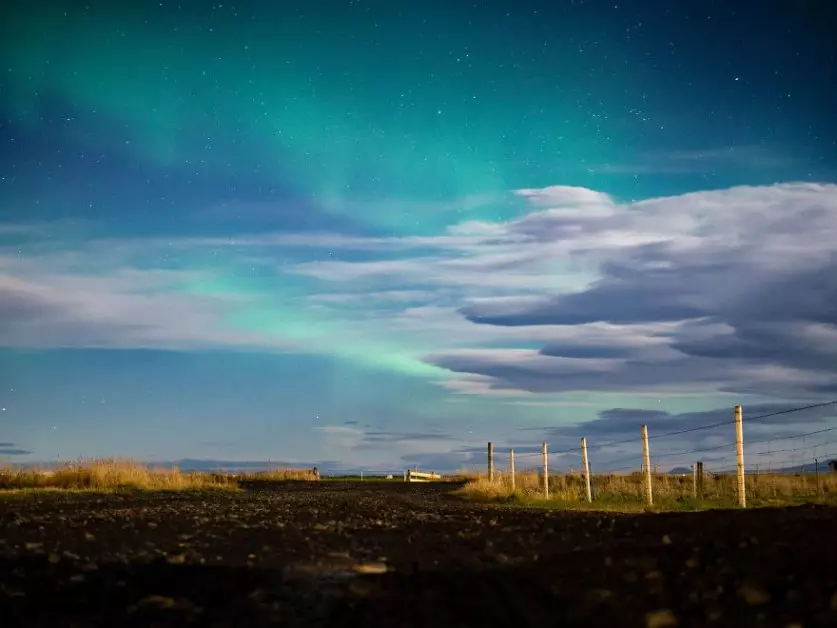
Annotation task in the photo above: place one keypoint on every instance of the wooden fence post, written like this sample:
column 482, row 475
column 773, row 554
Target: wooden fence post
column 586, row 464
column 700, row 479
column 545, row 471
column 646, row 461
column 739, row 454
column 817, row 474
column 511, row 468
column 694, row 481
column 490, row 463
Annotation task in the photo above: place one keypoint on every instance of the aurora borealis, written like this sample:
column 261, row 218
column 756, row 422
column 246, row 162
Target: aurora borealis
column 371, row 234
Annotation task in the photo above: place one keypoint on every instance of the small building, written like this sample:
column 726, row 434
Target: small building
column 832, row 465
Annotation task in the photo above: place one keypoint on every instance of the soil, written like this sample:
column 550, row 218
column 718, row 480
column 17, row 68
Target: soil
column 395, row 554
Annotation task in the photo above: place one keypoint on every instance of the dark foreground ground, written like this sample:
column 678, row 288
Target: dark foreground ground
column 375, row 554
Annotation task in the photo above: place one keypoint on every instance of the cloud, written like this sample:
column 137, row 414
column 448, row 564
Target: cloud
column 667, row 437
column 50, row 302
column 11, row 449
column 752, row 157
column 443, row 462
column 378, row 439
column 723, row 291
column 747, row 278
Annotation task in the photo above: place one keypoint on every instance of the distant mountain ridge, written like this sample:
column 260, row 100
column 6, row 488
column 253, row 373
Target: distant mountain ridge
column 808, row 468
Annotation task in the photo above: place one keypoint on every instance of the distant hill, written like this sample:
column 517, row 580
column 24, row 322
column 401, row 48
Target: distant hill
column 809, row 469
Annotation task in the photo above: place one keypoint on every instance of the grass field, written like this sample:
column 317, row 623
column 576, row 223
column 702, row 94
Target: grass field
column 626, row 492
column 610, row 492
column 120, row 474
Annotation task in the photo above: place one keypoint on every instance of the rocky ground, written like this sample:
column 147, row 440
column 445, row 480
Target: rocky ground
column 395, row 554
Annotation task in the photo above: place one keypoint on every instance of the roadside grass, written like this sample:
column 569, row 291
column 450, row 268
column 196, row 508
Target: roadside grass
column 111, row 474
column 363, row 478
column 281, row 474
column 625, row 493
column 115, row 474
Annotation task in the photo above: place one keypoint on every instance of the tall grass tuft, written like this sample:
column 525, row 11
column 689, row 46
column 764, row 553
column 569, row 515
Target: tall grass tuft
column 111, row 474
column 669, row 491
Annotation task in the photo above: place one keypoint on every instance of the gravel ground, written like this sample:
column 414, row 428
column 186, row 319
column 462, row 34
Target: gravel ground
column 394, row 554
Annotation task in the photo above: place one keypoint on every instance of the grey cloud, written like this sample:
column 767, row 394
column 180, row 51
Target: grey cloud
column 13, row 451
column 443, row 462
column 752, row 157
column 582, row 351
column 375, row 439
column 623, row 424
column 46, row 304
column 767, row 341
column 16, row 306
column 753, row 269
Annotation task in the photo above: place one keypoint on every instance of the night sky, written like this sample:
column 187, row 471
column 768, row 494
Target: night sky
column 371, row 234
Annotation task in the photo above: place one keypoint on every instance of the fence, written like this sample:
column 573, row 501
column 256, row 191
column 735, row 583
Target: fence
column 803, row 469
column 416, row 476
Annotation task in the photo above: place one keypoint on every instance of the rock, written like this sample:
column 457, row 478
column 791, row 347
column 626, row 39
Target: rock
column 156, row 601
column 176, row 559
column 753, row 594
column 361, row 588
column 370, row 568
column 662, row 618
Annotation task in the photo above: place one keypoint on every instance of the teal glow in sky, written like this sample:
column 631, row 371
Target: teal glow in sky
column 372, row 234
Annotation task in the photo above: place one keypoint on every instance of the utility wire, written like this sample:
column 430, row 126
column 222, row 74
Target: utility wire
column 594, row 447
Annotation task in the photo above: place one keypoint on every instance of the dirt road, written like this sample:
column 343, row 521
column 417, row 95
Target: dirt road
column 376, row 554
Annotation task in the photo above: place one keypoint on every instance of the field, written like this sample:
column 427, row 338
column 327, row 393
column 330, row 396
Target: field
column 626, row 492
column 117, row 474
column 397, row 554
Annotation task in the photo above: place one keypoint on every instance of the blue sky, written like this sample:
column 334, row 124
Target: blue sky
column 373, row 234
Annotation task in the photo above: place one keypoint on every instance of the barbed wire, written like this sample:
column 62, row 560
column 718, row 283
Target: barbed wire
column 593, row 447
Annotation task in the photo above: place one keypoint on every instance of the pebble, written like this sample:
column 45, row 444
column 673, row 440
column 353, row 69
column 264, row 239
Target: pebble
column 370, row 568
column 156, row 601
column 662, row 618
column 754, row 594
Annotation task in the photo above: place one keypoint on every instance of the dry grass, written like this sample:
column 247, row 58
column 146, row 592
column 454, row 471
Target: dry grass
column 111, row 474
column 627, row 491
column 279, row 475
